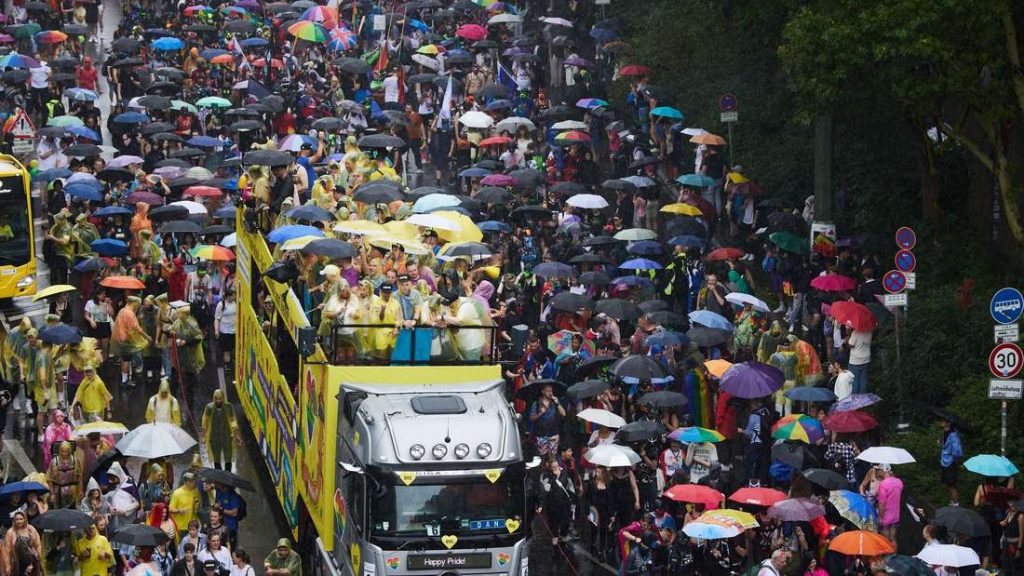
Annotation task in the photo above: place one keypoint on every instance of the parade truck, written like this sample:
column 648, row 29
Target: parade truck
column 17, row 237
column 380, row 469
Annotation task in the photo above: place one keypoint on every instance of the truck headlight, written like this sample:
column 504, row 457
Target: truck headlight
column 417, row 451
column 461, row 451
column 25, row 282
column 439, row 451
column 483, row 450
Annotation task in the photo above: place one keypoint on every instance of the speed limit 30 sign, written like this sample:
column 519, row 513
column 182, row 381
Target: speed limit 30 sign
column 1006, row 360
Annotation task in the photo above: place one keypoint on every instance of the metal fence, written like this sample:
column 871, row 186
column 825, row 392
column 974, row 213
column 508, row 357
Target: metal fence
column 419, row 345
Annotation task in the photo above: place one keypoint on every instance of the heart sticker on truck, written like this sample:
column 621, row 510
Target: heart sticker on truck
column 512, row 525
column 449, row 540
column 407, row 477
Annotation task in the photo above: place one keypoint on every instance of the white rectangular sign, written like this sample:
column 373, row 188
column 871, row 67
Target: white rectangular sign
column 1005, row 389
column 23, row 146
column 380, row 22
column 911, row 280
column 730, row 116
column 1006, row 332
column 895, row 299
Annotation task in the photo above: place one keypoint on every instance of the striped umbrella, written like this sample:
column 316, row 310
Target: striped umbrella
column 50, row 37
column 341, row 38
column 798, row 427
column 309, row 31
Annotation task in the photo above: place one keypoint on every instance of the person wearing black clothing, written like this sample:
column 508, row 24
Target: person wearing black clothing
column 870, row 288
column 8, row 391
column 189, row 565
column 559, row 499
column 156, row 284
column 283, row 187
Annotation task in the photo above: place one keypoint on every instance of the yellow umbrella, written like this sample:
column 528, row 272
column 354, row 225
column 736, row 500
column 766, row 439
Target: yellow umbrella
column 101, row 427
column 402, row 228
column 708, row 139
column 467, row 232
column 717, row 367
column 744, row 520
column 409, row 245
column 299, row 243
column 53, row 291
column 681, row 208
column 359, row 227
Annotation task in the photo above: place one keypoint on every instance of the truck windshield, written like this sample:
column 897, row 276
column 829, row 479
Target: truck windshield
column 467, row 507
column 14, row 224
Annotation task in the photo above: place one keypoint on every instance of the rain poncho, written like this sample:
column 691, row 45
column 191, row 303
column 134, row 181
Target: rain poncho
column 191, row 359
column 123, row 505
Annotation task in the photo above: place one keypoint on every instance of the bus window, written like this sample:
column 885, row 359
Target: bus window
column 15, row 244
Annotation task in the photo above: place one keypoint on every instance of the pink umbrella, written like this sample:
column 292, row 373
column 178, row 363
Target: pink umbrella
column 5, row 38
column 146, row 198
column 471, row 32
column 833, row 283
column 124, row 161
column 498, row 180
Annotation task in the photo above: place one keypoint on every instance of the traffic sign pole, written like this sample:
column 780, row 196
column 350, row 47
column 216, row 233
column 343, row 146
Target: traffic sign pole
column 729, row 103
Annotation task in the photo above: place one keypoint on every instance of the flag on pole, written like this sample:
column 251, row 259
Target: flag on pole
column 236, row 47
column 506, row 78
column 256, row 90
column 446, row 104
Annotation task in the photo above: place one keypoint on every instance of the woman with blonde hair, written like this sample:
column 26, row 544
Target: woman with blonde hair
column 65, row 476
column 23, row 546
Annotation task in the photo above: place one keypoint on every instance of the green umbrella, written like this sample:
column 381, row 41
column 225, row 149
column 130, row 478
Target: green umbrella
column 182, row 105
column 65, row 121
column 213, row 102
column 27, row 30
column 789, row 242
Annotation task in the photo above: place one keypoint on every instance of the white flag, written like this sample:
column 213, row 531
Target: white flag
column 446, row 105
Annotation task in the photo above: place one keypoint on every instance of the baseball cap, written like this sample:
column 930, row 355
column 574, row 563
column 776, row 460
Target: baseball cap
column 210, row 564
column 403, row 278
column 386, row 287
column 330, row 270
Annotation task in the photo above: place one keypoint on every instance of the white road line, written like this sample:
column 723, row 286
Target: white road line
column 13, row 448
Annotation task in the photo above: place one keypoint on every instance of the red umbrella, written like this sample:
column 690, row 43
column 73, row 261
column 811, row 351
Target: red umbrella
column 123, row 283
column 274, row 62
column 496, row 141
column 633, row 70
column 854, row 421
column 203, row 191
column 833, row 283
column 705, row 205
column 758, row 496
column 725, row 254
column 696, row 494
column 471, row 32
column 854, row 315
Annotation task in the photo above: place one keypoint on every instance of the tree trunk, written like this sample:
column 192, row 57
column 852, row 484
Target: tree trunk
column 930, row 183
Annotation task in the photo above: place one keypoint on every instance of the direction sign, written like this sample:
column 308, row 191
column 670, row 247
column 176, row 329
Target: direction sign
column 906, row 238
column 1007, row 305
column 1006, row 360
column 894, row 281
column 905, row 261
column 1006, row 332
column 728, row 103
column 1005, row 389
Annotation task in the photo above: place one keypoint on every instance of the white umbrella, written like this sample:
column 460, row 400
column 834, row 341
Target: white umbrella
column 949, row 555
column 476, row 119
column 739, row 299
column 886, row 455
column 512, row 124
column 640, row 181
column 199, row 173
column 505, row 19
column 570, row 125
column 612, row 456
column 556, row 21
column 192, row 207
column 123, row 161
column 434, row 221
column 427, row 61
column 602, row 418
column 588, row 201
column 694, row 131
column 229, row 241
column 155, row 441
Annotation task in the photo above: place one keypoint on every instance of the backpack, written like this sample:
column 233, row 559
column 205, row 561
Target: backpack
column 764, row 432
column 243, row 508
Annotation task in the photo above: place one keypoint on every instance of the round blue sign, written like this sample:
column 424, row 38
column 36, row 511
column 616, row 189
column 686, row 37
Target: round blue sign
column 728, row 103
column 1006, row 306
column 905, row 261
column 894, row 281
column 906, row 238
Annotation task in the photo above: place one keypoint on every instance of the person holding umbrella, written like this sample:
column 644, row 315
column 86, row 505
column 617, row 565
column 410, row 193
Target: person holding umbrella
column 951, row 453
column 546, row 416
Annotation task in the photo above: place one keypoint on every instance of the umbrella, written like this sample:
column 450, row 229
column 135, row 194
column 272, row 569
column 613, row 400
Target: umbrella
column 949, row 555
column 907, row 566
column 633, row 70
column 752, row 380
column 124, row 282
column 810, row 394
column 684, row 209
column 796, row 510
column 209, row 252
column 667, row 112
column 569, row 302
column 755, row 496
column 192, row 207
column 855, row 315
column 594, row 364
column 164, row 213
column 60, row 334
column 855, row 402
column 666, row 338
column 434, row 202
column 226, row 478
column 217, row 229
column 739, row 518
column 708, row 530
column 695, row 434
column 640, row 264
column 601, row 418
column 93, row 264
column 101, row 427
column 109, row 247
column 476, row 119
column 717, row 367
column 663, row 399
column 796, row 455
column 229, row 241
column 587, row 389
column 789, row 242
column 741, row 299
column 641, row 431
column 886, row 455
column 956, row 519
column 587, row 201
column 22, row 487
column 612, row 456
column 645, row 247
column 167, row 44
column 83, row 150
column 799, row 427
column 828, row 479
column 855, row 508
column 285, row 233
column 991, row 465
column 949, row 417
column 310, row 212
column 471, row 32
column 180, row 227
column 493, row 195
column 617, row 308
column 513, row 123
column 710, row 319
column 53, row 291
column 531, row 390
column 854, row 421
column 124, row 161
column 155, row 440
column 637, row 366
column 861, row 543
column 706, row 337
column 331, row 248
column 696, row 494
column 140, row 535
column 708, row 139
column 63, row 520
column 381, row 141
column 696, row 180
column 833, row 283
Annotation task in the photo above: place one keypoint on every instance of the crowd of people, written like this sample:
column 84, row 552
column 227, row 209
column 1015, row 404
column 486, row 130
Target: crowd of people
column 606, row 255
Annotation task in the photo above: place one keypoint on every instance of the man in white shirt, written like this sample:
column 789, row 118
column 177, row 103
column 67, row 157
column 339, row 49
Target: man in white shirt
column 774, row 565
column 215, row 551
column 40, row 83
column 844, row 378
column 392, row 89
column 860, row 360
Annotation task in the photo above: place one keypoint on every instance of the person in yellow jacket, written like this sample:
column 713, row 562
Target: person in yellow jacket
column 95, row 556
column 163, row 406
column 219, row 428
column 387, row 313
column 184, row 503
column 92, row 396
column 14, row 347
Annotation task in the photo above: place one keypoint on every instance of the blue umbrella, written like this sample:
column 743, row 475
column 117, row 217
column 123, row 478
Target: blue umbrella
column 639, row 181
column 667, row 112
column 632, row 281
column 493, row 226
column 434, row 201
column 666, row 338
column 991, row 465
column 204, row 142
column 855, row 508
column 81, row 95
column 20, row 487
column 83, row 132
column 83, row 191
column 640, row 264
column 92, row 265
column 167, row 44
column 310, row 212
column 211, row 53
column 59, row 334
column 687, row 241
column 711, row 320
column 113, row 211
column 109, row 247
column 231, row 185
column 698, row 180
column 418, row 25
column 285, row 233
column 855, row 402
column 474, row 173
column 131, row 118
column 52, row 174
column 603, row 35
column 499, row 104
column 226, row 211
column 645, row 248
column 254, row 42
column 810, row 394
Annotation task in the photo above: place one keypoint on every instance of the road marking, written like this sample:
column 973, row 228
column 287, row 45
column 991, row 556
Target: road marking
column 14, row 449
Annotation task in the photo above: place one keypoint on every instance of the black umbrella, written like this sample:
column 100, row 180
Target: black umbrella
column 617, row 185
column 329, row 123
column 182, row 183
column 637, row 366
column 240, row 26
column 653, row 306
column 52, row 131
column 527, row 177
column 156, row 128
column 493, row 195
column 601, row 240
column 685, row 227
column 618, row 308
column 169, row 73
column 664, row 399
column 16, row 76
column 180, row 227
column 168, row 136
column 668, row 318
column 554, row 270
column 331, row 248
column 489, row 164
column 126, row 45
column 378, row 192
column 587, row 388
column 704, row 337
column 60, row 334
column 594, row 278
column 187, row 153
column 115, row 175
column 493, row 91
column 948, row 416
column 827, row 479
column 217, row 229
column 201, row 28
column 226, row 478
column 176, row 162
column 64, row 77
column 155, row 102
column 640, row 431
column 796, row 454
column 37, row 7
column 164, row 87
column 83, row 150
column 352, row 65
column 269, row 158
column 63, row 520
column 310, row 212
column 245, row 126
column 588, row 258
column 531, row 390
column 470, row 249
column 569, row 189
column 381, row 141
column 64, row 62
column 162, row 213
column 539, row 213
column 422, row 78
column 140, row 535
column 963, row 521
column 569, row 302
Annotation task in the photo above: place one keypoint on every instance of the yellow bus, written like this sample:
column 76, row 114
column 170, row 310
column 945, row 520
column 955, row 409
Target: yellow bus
column 17, row 237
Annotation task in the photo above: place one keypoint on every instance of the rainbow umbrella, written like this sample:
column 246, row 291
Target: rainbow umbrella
column 591, row 103
column 15, row 60
column 50, row 37
column 341, row 38
column 573, row 136
column 431, row 50
column 745, row 520
column 211, row 252
column 855, row 508
column 695, row 434
column 193, row 10
column 238, row 10
column 324, row 15
column 798, row 427
column 308, row 31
